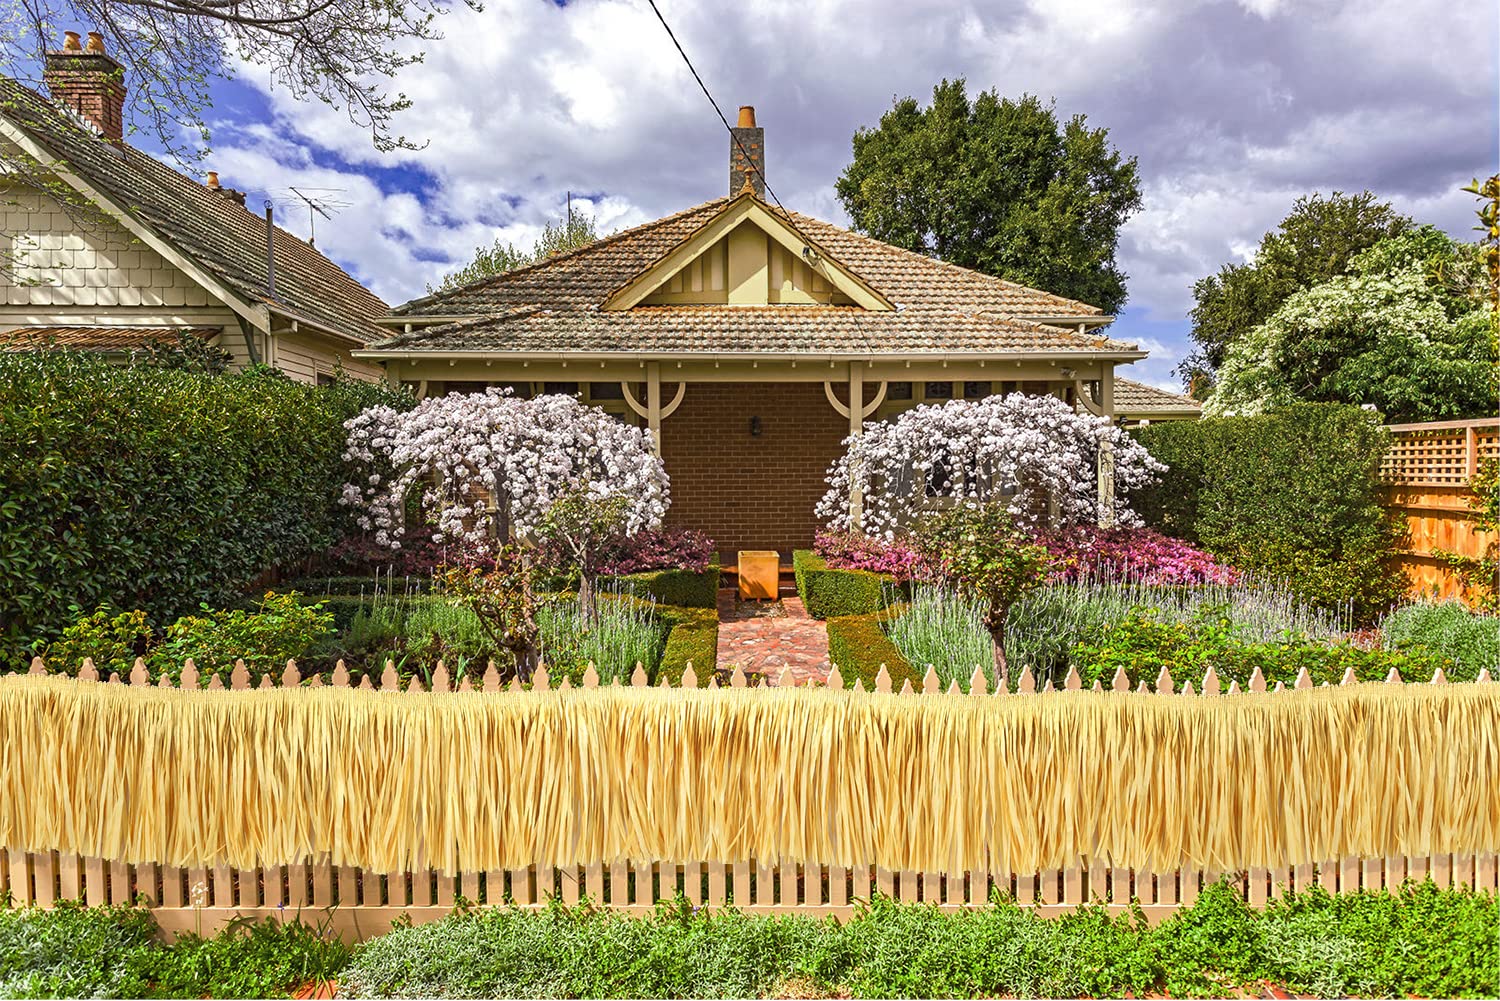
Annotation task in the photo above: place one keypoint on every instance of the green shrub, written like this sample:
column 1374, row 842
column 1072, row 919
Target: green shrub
column 158, row 490
column 1291, row 495
column 694, row 639
column 858, row 644
column 827, row 594
column 111, row 639
column 678, row 588
column 1143, row 644
column 249, row 959
column 75, row 952
column 1447, row 630
column 281, row 629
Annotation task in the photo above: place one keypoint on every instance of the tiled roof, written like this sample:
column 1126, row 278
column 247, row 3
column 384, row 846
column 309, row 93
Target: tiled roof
column 555, row 306
column 95, row 338
column 225, row 238
column 1137, row 397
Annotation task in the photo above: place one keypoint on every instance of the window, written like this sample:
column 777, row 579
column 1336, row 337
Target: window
column 898, row 391
column 937, row 390
column 976, row 390
column 606, row 391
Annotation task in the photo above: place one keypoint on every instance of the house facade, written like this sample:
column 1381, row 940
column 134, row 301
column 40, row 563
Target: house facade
column 105, row 248
column 752, row 342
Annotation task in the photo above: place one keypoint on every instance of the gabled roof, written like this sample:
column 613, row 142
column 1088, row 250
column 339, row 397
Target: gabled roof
column 1138, row 398
column 561, row 304
column 224, row 238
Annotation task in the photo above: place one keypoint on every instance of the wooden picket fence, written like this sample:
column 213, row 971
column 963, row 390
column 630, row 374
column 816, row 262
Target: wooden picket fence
column 1426, row 475
column 356, row 903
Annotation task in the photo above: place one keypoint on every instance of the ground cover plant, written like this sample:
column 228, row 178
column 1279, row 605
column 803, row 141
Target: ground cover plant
column 158, row 489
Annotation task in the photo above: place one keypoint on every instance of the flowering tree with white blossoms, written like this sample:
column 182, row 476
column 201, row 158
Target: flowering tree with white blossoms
column 490, row 466
column 1036, row 452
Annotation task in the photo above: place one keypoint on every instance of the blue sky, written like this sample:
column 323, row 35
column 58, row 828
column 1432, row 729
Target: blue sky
column 1233, row 107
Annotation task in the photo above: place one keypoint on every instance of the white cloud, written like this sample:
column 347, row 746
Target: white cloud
column 1234, row 110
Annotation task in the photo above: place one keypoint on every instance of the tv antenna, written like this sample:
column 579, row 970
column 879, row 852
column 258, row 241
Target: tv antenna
column 320, row 202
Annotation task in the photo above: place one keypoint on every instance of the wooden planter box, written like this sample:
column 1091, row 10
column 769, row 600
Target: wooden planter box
column 759, row 573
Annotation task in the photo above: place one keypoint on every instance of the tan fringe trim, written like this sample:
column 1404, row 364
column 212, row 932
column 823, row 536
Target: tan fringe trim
column 482, row 781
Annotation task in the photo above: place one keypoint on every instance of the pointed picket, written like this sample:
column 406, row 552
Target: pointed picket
column 978, row 683
column 1027, row 684
column 1121, row 682
column 1304, row 680
column 638, row 676
column 88, row 672
column 591, row 676
column 1439, row 678
column 1210, row 681
column 340, row 675
column 737, row 678
column 689, row 676
column 906, row 688
column 138, row 675
column 239, row 678
column 1164, row 684
column 491, row 680
column 1257, row 680
column 882, row 680
column 930, row 683
column 835, row 680
column 1072, row 682
column 440, row 680
column 291, row 677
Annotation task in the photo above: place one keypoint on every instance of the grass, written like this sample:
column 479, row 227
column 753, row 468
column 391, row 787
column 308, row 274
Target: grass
column 944, row 630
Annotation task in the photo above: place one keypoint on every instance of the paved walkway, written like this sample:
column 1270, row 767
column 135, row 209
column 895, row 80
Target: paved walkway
column 766, row 637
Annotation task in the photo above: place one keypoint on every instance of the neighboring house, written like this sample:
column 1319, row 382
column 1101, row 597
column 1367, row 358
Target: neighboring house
column 108, row 249
column 1137, row 403
column 752, row 342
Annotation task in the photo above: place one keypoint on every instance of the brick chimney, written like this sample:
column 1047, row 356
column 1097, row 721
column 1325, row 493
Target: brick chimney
column 89, row 82
column 746, row 134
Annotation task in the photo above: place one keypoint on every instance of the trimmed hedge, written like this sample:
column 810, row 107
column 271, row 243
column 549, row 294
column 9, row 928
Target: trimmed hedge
column 158, row 490
column 694, row 638
column 1291, row 495
column 858, row 644
column 828, row 593
column 679, row 588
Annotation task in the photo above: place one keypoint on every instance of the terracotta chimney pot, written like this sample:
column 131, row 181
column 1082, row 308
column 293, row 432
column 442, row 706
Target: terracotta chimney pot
column 96, row 43
column 70, row 42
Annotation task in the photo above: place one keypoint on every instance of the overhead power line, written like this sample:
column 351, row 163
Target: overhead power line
column 736, row 139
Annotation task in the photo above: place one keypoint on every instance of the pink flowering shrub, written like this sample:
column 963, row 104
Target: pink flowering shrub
column 857, row 551
column 659, row 549
column 1138, row 555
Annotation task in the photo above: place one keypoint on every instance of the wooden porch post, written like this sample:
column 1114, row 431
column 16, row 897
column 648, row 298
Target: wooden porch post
column 653, row 403
column 856, row 428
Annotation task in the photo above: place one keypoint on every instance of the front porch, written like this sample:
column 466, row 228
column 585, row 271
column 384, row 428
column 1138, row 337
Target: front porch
column 748, row 443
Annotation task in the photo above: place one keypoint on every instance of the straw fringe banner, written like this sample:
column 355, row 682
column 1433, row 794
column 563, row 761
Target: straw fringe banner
column 481, row 781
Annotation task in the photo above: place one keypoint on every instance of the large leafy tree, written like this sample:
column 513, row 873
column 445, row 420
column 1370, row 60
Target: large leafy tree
column 502, row 256
column 997, row 185
column 1406, row 331
column 1315, row 242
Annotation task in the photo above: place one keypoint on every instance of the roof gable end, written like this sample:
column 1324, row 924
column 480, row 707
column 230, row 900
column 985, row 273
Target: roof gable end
column 750, row 239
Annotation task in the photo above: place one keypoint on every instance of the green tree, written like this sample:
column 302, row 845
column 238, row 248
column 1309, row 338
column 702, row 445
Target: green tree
column 1406, row 331
column 1315, row 242
column 996, row 185
column 502, row 256
column 978, row 548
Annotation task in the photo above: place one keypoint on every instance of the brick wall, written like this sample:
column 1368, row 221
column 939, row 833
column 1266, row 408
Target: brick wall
column 751, row 492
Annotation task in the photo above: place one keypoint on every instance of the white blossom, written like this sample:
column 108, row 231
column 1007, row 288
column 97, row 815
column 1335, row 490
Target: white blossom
column 1019, row 447
column 493, row 460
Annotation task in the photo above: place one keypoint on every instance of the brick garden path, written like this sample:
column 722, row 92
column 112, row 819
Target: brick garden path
column 766, row 637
